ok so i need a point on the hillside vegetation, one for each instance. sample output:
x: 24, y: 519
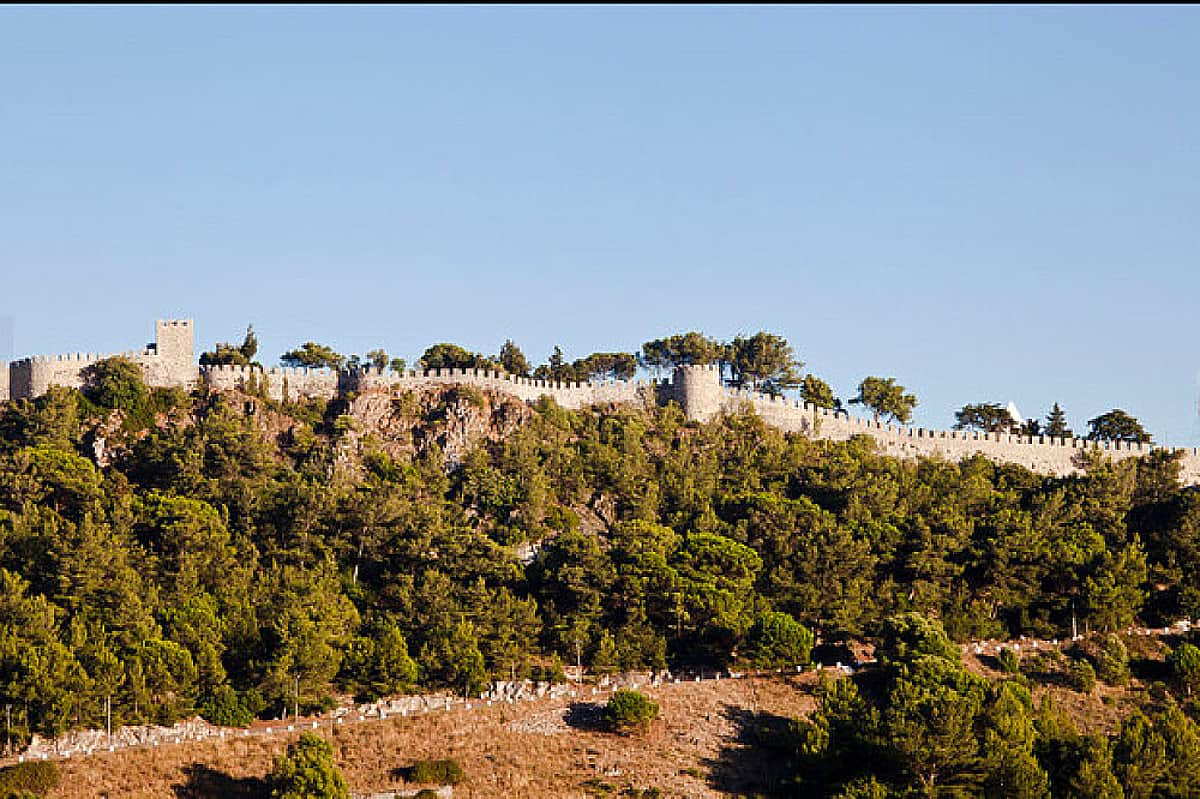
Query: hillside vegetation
x: 219, y: 553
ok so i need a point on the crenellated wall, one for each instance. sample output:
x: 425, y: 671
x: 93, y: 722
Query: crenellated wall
x: 168, y: 362
x: 701, y: 394
x: 1043, y: 454
x: 292, y: 384
x: 282, y: 383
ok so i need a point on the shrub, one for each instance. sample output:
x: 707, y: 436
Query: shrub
x: 33, y: 778
x: 225, y: 708
x: 1083, y: 676
x: 307, y: 771
x: 436, y: 772
x: 117, y: 383
x: 1010, y: 661
x: 906, y: 636
x: 629, y: 711
x: 426, y: 793
x: 777, y: 639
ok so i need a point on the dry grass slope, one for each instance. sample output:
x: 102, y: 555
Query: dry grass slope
x: 536, y: 750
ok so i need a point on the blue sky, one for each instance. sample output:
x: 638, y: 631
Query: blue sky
x: 987, y: 203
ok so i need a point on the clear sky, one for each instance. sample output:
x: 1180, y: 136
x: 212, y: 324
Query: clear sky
x: 990, y: 204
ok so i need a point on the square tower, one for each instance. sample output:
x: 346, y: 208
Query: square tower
x: 173, y: 339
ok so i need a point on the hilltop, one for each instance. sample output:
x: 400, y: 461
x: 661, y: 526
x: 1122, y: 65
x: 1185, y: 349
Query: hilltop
x: 218, y: 551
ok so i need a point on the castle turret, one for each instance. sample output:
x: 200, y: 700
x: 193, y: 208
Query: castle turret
x: 174, y: 347
x: 698, y: 391
x: 173, y: 339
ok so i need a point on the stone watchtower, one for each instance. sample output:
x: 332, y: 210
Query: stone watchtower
x: 171, y: 359
x: 173, y: 339
x: 698, y: 391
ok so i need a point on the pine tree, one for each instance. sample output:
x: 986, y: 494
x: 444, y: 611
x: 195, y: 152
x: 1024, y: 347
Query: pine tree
x: 607, y: 658
x: 816, y: 391
x: 557, y: 363
x: 1139, y: 757
x: 513, y: 360
x: 1056, y: 423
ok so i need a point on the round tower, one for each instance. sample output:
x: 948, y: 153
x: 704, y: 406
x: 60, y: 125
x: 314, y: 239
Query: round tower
x: 698, y: 391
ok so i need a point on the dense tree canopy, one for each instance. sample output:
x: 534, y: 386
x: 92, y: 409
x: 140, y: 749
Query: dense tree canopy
x: 208, y: 564
x: 313, y: 356
x: 1116, y: 425
x: 926, y: 726
x: 766, y: 362
x: 989, y: 417
x: 885, y: 397
x: 684, y: 349
x: 595, y: 367
x: 233, y: 354
x: 452, y: 356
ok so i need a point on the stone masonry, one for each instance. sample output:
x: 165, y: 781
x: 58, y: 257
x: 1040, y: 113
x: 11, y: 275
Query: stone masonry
x: 171, y: 361
x: 168, y: 362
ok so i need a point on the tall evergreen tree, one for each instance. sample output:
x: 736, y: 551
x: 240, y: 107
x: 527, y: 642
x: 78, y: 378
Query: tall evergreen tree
x: 1056, y: 423
x: 513, y: 360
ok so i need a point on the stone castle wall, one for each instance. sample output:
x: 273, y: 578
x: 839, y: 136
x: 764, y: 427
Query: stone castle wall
x: 170, y: 362
x: 699, y: 391
x: 291, y: 384
x: 1042, y: 454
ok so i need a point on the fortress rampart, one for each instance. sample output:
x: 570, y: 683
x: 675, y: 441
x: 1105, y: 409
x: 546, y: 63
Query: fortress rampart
x: 291, y: 384
x: 1043, y: 454
x: 170, y: 362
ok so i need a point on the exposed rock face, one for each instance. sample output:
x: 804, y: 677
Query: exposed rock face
x: 453, y: 418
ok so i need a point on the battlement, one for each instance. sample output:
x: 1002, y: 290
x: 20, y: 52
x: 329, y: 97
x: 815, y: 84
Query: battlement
x: 284, y: 383
x: 168, y: 362
x: 698, y: 389
x: 700, y: 392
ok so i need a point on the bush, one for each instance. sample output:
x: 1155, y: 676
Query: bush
x: 117, y: 383
x: 436, y: 772
x: 629, y: 711
x: 307, y: 771
x: 777, y: 639
x: 1083, y: 676
x: 225, y: 708
x: 34, y: 778
x: 1010, y: 661
x: 426, y: 793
